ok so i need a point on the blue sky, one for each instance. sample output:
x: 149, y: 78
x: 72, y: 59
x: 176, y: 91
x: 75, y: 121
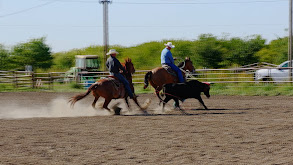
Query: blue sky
x: 69, y: 24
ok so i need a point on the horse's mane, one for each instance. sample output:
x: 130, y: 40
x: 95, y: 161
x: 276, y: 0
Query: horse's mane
x: 126, y: 61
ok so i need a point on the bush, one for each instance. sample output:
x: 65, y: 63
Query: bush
x: 76, y: 86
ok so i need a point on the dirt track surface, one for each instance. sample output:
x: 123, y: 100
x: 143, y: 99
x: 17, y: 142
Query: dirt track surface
x: 236, y: 130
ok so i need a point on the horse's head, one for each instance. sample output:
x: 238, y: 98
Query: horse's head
x: 129, y: 66
x: 187, y: 65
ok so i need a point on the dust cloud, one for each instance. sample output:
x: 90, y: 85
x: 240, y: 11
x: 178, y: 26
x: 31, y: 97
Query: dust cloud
x: 56, y: 108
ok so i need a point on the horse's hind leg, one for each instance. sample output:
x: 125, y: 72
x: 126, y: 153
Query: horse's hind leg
x: 106, y: 103
x: 95, y: 101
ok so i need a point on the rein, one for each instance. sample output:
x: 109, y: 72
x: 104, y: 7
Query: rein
x: 158, y: 92
x: 187, y: 73
x: 183, y: 65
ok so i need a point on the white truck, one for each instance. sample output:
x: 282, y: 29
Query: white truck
x: 280, y: 73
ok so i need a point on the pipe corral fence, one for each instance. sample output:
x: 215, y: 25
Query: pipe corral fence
x: 24, y: 79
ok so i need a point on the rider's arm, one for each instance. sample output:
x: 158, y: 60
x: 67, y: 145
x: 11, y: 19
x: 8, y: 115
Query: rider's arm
x: 120, y: 66
x: 170, y: 57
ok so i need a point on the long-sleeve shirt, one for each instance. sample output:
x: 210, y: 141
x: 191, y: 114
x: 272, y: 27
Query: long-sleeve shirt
x: 166, y: 57
x: 114, y: 65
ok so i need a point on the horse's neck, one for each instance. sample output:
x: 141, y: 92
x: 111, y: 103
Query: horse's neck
x: 128, y: 77
x: 128, y: 74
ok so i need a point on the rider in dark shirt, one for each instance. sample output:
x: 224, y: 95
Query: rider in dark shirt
x: 114, y: 67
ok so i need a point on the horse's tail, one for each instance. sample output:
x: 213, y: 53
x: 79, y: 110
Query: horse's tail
x: 147, y: 77
x: 74, y: 99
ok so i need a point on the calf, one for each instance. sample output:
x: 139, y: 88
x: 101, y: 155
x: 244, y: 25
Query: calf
x: 182, y: 91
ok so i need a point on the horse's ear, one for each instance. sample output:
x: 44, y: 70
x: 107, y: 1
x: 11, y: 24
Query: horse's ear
x: 187, y: 58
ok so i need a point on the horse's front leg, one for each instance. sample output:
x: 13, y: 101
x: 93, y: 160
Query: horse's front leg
x: 127, y: 103
x: 136, y: 102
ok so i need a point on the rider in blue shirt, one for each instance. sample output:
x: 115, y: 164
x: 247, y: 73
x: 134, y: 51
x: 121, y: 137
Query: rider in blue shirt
x: 167, y: 59
x: 114, y: 67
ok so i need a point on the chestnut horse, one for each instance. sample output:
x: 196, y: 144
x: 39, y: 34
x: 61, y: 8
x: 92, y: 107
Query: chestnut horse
x: 159, y: 76
x: 107, y: 89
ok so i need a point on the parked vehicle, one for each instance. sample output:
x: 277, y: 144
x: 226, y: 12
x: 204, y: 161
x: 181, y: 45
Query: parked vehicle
x: 280, y: 73
x: 85, y: 66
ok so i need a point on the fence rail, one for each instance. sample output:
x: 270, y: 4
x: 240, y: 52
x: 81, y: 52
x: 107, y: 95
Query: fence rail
x: 23, y: 79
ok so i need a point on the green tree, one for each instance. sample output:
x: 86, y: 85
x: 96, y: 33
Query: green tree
x: 275, y: 52
x: 242, y: 52
x: 63, y: 62
x: 184, y: 49
x: 35, y: 53
x: 4, y: 59
x: 144, y: 56
x: 210, y: 51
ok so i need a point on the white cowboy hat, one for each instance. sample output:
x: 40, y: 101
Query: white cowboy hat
x: 169, y: 44
x: 112, y: 51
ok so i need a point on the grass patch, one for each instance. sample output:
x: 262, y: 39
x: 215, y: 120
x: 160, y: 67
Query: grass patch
x: 139, y: 89
x: 245, y: 89
x: 76, y: 86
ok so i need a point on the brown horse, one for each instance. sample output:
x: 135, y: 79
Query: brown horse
x: 109, y: 89
x: 159, y: 76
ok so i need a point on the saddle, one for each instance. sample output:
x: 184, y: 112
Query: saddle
x: 119, y: 87
x: 115, y: 81
x: 169, y: 70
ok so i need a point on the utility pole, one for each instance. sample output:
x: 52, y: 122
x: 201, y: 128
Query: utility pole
x: 105, y: 29
x: 290, y: 41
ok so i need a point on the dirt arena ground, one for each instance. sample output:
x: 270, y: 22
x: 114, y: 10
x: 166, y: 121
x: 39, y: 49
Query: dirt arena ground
x: 40, y: 128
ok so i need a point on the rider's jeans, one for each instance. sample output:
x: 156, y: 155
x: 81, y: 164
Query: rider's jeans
x: 178, y: 71
x: 125, y: 83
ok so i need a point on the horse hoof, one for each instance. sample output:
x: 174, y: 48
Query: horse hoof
x: 183, y: 112
x: 146, y: 104
x: 145, y: 113
x: 117, y: 111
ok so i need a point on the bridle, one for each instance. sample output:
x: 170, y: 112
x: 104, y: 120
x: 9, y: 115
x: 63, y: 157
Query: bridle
x: 186, y: 72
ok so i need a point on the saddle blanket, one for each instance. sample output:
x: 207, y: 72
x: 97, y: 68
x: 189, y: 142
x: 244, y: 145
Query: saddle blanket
x: 169, y: 70
x: 115, y: 81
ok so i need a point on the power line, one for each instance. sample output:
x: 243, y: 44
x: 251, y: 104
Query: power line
x: 135, y: 3
x: 175, y: 3
x: 143, y: 26
x: 195, y: 3
x: 25, y: 10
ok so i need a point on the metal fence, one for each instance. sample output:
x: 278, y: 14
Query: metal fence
x: 22, y: 79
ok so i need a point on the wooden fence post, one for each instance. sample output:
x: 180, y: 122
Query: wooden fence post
x: 15, y: 79
x: 33, y: 79
x: 50, y: 81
